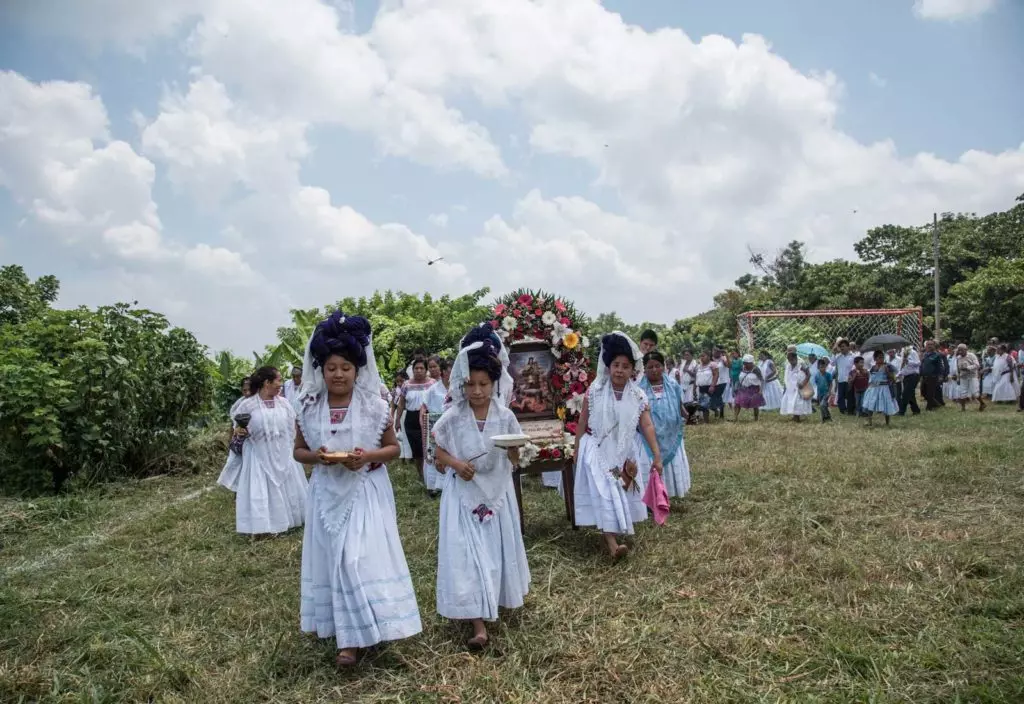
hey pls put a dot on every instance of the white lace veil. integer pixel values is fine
(603, 373)
(313, 385)
(460, 375)
(504, 384)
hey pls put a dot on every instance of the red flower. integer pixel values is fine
(577, 388)
(556, 381)
(571, 428)
(495, 324)
(559, 306)
(556, 453)
(564, 321)
(518, 313)
(518, 335)
(538, 312)
(500, 309)
(525, 300)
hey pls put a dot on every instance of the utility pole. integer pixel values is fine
(937, 332)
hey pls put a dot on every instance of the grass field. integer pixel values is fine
(809, 563)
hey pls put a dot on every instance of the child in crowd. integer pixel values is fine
(823, 383)
(859, 381)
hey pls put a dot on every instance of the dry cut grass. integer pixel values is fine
(810, 563)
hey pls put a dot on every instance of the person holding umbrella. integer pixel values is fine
(878, 396)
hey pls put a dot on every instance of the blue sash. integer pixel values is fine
(668, 420)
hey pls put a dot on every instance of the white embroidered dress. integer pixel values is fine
(233, 465)
(481, 558)
(1005, 386)
(792, 403)
(434, 403)
(270, 489)
(771, 390)
(601, 499)
(356, 584)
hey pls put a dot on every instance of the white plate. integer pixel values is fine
(507, 441)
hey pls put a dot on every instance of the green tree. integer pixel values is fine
(990, 302)
(21, 298)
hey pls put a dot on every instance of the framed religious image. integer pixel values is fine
(530, 365)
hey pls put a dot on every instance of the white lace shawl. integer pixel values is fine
(613, 423)
(456, 432)
(271, 437)
(335, 488)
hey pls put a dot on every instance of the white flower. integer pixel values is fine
(527, 454)
(509, 323)
(586, 341)
(575, 404)
(548, 318)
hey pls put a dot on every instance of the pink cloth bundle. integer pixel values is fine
(656, 498)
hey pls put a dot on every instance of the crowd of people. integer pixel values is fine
(853, 382)
(336, 416)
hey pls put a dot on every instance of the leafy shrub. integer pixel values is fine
(99, 394)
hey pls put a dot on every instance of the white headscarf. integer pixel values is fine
(313, 385)
(615, 420)
(460, 375)
(505, 383)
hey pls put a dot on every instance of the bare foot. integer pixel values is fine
(620, 552)
(347, 657)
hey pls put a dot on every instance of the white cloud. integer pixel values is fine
(706, 146)
(952, 10)
(877, 80)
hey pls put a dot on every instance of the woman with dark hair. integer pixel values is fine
(878, 397)
(1005, 386)
(706, 381)
(433, 407)
(748, 388)
(270, 487)
(411, 398)
(668, 413)
(609, 489)
(434, 367)
(481, 559)
(355, 580)
(772, 387)
(233, 465)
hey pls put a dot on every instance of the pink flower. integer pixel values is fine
(538, 312)
(495, 324)
(500, 309)
(564, 321)
(526, 299)
(559, 306)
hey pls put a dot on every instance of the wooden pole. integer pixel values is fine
(937, 332)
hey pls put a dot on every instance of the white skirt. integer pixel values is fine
(403, 442)
(987, 383)
(727, 394)
(794, 405)
(1005, 389)
(232, 470)
(951, 390)
(677, 472)
(969, 388)
(601, 500)
(261, 506)
(688, 395)
(431, 477)
(480, 565)
(772, 392)
(355, 581)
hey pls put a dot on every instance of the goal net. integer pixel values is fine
(774, 330)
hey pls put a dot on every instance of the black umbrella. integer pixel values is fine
(884, 342)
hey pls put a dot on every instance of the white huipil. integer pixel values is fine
(434, 403)
(687, 382)
(771, 390)
(356, 584)
(610, 440)
(792, 403)
(1005, 386)
(233, 465)
(951, 387)
(270, 489)
(481, 558)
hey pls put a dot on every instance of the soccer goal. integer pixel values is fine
(774, 330)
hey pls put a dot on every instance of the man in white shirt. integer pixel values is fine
(896, 362)
(910, 375)
(292, 386)
(844, 394)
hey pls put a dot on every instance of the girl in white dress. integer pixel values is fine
(433, 407)
(665, 399)
(951, 387)
(356, 585)
(395, 395)
(797, 377)
(1005, 386)
(772, 388)
(233, 465)
(609, 489)
(270, 491)
(481, 559)
(686, 375)
(407, 413)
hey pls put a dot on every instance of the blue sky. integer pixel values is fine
(624, 167)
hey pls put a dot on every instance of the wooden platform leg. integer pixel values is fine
(569, 489)
(517, 483)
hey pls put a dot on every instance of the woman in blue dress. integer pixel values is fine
(665, 398)
(878, 397)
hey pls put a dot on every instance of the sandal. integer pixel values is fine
(346, 660)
